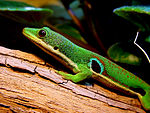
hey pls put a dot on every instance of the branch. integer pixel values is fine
(28, 85)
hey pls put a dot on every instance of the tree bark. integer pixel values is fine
(28, 85)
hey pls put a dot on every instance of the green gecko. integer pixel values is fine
(86, 64)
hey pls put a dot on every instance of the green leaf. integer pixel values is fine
(138, 15)
(24, 13)
(71, 31)
(147, 39)
(119, 53)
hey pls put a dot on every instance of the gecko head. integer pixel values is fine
(42, 36)
(36, 33)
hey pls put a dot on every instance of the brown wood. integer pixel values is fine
(28, 85)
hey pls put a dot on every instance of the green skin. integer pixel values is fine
(86, 64)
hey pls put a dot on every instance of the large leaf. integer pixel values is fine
(120, 53)
(138, 15)
(24, 13)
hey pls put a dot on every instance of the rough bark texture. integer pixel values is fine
(28, 85)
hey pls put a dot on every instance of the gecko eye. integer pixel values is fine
(42, 33)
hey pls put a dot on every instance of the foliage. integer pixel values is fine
(138, 15)
(24, 13)
(120, 53)
(93, 23)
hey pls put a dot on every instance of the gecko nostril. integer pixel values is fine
(55, 48)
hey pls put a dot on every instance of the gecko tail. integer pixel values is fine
(145, 100)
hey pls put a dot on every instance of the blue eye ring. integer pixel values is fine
(98, 62)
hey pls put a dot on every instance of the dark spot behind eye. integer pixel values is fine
(55, 48)
(42, 33)
(95, 66)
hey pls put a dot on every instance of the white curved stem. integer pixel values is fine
(141, 47)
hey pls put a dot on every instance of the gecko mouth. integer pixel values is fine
(29, 36)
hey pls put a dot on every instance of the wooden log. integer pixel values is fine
(28, 85)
